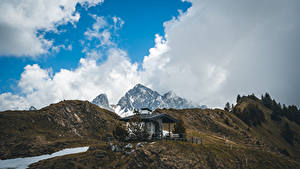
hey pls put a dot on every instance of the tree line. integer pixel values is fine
(291, 112)
(252, 115)
(279, 110)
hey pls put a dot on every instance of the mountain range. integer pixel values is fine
(141, 96)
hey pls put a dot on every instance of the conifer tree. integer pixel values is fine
(120, 132)
(137, 128)
(267, 100)
(238, 98)
(227, 107)
(179, 128)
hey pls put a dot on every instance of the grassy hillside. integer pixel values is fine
(248, 124)
(246, 137)
(65, 124)
(270, 131)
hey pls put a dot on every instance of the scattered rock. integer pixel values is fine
(139, 145)
(77, 118)
(130, 152)
(118, 149)
(128, 146)
(113, 147)
(91, 148)
(68, 109)
(99, 155)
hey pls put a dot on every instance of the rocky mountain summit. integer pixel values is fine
(141, 96)
(32, 108)
(102, 101)
(171, 100)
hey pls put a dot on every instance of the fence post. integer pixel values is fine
(192, 139)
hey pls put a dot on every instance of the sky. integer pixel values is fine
(205, 51)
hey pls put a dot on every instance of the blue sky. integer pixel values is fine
(208, 53)
(143, 19)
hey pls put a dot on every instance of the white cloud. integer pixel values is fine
(95, 32)
(218, 49)
(99, 37)
(9, 101)
(20, 21)
(62, 46)
(40, 88)
(118, 22)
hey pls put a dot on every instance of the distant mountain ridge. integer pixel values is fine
(141, 96)
(32, 108)
(102, 101)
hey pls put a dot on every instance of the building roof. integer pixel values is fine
(146, 109)
(152, 117)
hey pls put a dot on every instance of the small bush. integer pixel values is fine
(120, 133)
(288, 134)
(284, 151)
(252, 115)
(275, 117)
(179, 128)
(227, 122)
(137, 128)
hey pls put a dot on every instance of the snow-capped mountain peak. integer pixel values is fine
(102, 101)
(170, 94)
(141, 96)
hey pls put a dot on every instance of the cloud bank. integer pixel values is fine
(208, 54)
(218, 49)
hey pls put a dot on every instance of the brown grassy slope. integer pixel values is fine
(270, 131)
(65, 124)
(243, 147)
(216, 124)
(258, 145)
(171, 154)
